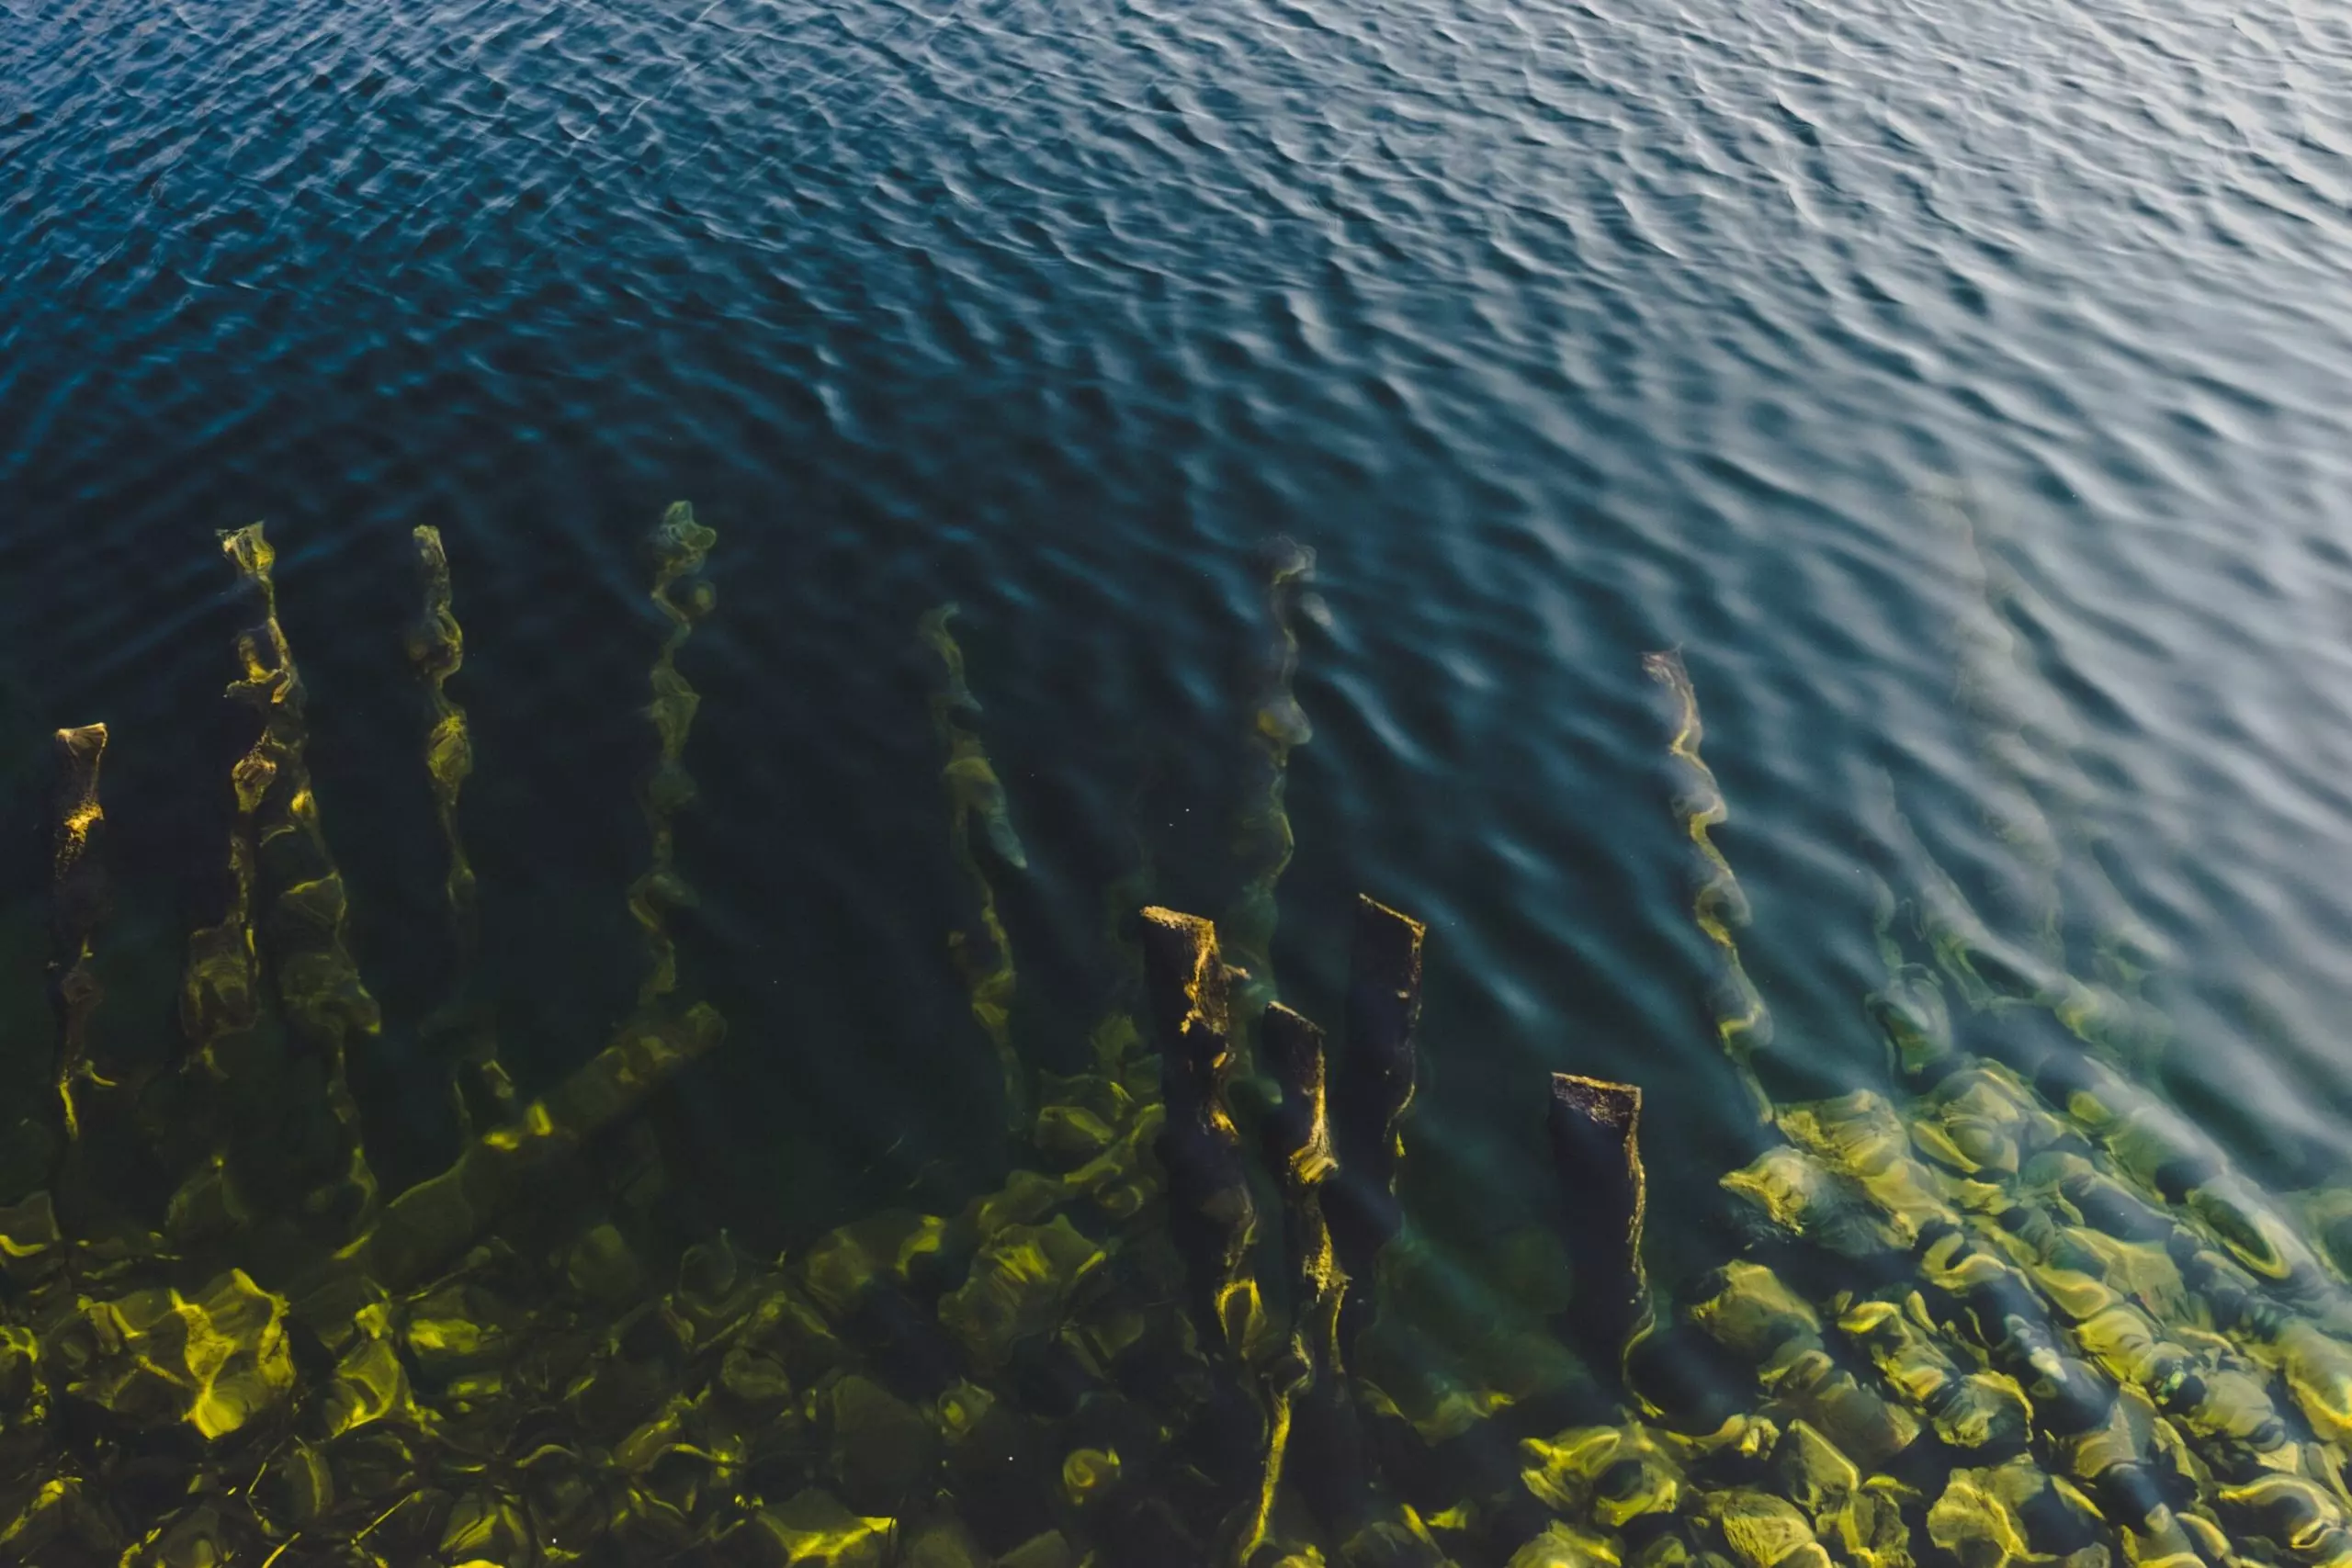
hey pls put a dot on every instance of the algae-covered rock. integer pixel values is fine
(941, 1541)
(1981, 1516)
(65, 1522)
(488, 1524)
(883, 1451)
(1763, 1531)
(812, 1529)
(882, 1249)
(602, 1266)
(1020, 1285)
(1050, 1550)
(218, 1361)
(1564, 1546)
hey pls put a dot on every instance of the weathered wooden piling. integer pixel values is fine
(1369, 1093)
(1595, 1129)
(977, 815)
(302, 906)
(1212, 1215)
(78, 898)
(680, 544)
(480, 1087)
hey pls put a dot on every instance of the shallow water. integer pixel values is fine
(1762, 331)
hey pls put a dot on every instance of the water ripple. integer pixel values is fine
(1562, 335)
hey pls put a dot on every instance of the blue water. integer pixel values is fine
(1562, 333)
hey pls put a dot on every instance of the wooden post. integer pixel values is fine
(1596, 1153)
(1369, 1095)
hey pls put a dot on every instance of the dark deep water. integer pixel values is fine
(1561, 334)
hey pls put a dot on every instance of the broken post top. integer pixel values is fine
(1373, 1082)
(1190, 988)
(1614, 1106)
(1298, 1132)
(1595, 1128)
(80, 751)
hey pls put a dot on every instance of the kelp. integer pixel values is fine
(982, 950)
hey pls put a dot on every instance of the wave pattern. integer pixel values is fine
(1561, 333)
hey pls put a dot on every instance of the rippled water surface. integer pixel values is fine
(1963, 388)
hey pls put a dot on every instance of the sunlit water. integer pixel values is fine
(1774, 333)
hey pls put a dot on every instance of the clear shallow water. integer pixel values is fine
(1560, 337)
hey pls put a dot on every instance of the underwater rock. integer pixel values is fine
(1020, 1283)
(812, 1529)
(884, 1452)
(1560, 1546)
(218, 1361)
(431, 1222)
(1746, 1309)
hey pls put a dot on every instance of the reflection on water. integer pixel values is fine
(2008, 1306)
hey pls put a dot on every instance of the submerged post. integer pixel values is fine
(680, 545)
(982, 949)
(480, 1087)
(1212, 1216)
(1262, 839)
(1331, 1465)
(1595, 1129)
(78, 901)
(1369, 1095)
(1743, 1023)
(328, 1009)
